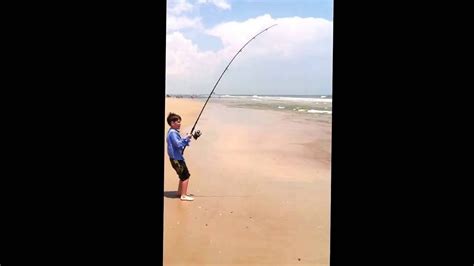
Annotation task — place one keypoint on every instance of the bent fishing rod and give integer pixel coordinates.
(198, 133)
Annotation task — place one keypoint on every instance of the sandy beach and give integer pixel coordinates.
(261, 181)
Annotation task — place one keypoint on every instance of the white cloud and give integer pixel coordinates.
(291, 37)
(179, 53)
(298, 49)
(222, 4)
(179, 6)
(183, 57)
(180, 22)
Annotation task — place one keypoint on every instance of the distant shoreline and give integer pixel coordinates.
(308, 106)
(327, 96)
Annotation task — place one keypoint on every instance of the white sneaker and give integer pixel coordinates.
(186, 197)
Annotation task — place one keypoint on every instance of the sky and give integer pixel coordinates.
(292, 58)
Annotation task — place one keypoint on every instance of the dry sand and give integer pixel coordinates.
(261, 180)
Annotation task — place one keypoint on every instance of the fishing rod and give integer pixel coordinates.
(198, 132)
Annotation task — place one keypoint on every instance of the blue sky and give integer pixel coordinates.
(295, 57)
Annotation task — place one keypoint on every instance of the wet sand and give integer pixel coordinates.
(261, 181)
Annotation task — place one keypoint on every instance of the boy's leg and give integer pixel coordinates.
(180, 187)
(184, 186)
(184, 190)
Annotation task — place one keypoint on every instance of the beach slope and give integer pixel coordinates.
(261, 181)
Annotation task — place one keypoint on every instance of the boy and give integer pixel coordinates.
(176, 145)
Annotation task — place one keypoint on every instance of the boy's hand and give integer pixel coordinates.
(188, 136)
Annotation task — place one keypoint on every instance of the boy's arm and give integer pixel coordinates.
(179, 143)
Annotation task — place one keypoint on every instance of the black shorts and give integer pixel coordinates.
(181, 169)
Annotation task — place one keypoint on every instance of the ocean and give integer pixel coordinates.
(319, 106)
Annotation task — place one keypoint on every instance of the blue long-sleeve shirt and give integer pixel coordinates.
(176, 144)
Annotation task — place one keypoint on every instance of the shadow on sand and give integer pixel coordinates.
(171, 194)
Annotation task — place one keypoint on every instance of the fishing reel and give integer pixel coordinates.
(197, 134)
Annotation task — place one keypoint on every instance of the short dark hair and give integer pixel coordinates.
(172, 117)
